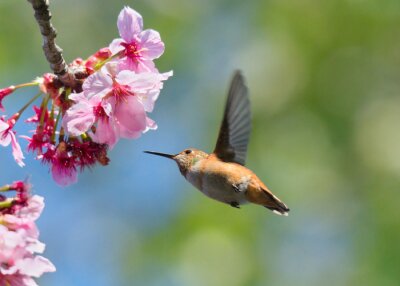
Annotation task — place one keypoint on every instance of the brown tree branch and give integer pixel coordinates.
(52, 52)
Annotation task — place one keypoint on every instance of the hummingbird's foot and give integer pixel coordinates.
(242, 185)
(236, 188)
(235, 205)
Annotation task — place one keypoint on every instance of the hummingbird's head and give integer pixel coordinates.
(185, 159)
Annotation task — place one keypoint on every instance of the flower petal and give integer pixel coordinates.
(127, 63)
(106, 132)
(150, 125)
(146, 66)
(5, 139)
(35, 266)
(3, 125)
(131, 118)
(151, 45)
(129, 23)
(16, 150)
(149, 99)
(78, 118)
(77, 97)
(107, 107)
(116, 46)
(62, 176)
(138, 82)
(166, 75)
(25, 215)
(98, 84)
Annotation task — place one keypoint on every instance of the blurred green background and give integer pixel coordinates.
(324, 78)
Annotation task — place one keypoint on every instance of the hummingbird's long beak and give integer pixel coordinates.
(160, 154)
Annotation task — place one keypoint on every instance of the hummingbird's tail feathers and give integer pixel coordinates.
(262, 196)
(276, 205)
(279, 211)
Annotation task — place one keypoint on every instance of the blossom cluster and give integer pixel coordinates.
(19, 244)
(75, 127)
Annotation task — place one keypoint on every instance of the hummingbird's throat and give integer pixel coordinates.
(194, 161)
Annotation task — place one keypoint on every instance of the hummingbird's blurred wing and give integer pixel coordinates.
(235, 129)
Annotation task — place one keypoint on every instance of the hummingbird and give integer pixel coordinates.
(222, 175)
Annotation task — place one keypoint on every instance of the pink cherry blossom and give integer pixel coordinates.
(139, 48)
(85, 112)
(72, 155)
(7, 136)
(63, 166)
(117, 102)
(24, 217)
(19, 244)
(64, 175)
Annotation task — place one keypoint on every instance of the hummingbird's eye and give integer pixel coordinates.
(188, 151)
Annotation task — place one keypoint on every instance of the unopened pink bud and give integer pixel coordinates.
(96, 58)
(77, 62)
(18, 186)
(4, 92)
(103, 53)
(23, 191)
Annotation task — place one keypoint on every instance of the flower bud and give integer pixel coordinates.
(4, 92)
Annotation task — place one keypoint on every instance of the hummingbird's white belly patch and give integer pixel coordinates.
(222, 191)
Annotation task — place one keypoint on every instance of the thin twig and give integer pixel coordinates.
(52, 52)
